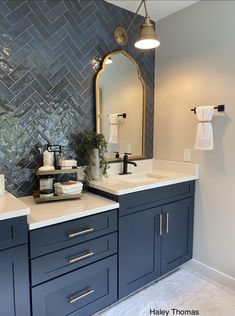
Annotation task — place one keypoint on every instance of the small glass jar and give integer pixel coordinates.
(46, 183)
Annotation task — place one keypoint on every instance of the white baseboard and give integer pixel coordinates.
(210, 273)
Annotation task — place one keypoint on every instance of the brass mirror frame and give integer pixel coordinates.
(97, 101)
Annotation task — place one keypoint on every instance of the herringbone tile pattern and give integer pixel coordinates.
(47, 82)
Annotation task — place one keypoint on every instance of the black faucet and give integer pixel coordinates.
(126, 161)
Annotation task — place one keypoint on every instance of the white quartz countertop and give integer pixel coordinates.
(11, 207)
(159, 174)
(51, 213)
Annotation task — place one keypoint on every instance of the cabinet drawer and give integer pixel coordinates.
(13, 232)
(137, 201)
(82, 292)
(60, 262)
(59, 236)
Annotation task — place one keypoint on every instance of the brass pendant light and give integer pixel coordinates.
(147, 38)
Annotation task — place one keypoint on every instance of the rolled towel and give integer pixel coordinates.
(204, 136)
(113, 128)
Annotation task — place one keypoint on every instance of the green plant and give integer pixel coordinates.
(89, 142)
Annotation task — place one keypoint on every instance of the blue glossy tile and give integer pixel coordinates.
(55, 12)
(19, 27)
(38, 25)
(58, 75)
(18, 13)
(21, 55)
(20, 41)
(38, 12)
(22, 96)
(73, 22)
(42, 103)
(43, 81)
(6, 79)
(74, 70)
(51, 95)
(59, 87)
(4, 9)
(24, 108)
(52, 3)
(72, 45)
(58, 23)
(5, 92)
(57, 63)
(43, 6)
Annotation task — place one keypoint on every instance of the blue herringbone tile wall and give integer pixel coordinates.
(47, 82)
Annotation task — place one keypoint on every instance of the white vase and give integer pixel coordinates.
(96, 171)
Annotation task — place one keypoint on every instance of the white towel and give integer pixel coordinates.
(204, 136)
(68, 186)
(113, 128)
(67, 194)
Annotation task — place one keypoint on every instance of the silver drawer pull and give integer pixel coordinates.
(167, 223)
(160, 221)
(73, 299)
(81, 232)
(76, 259)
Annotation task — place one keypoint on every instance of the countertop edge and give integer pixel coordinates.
(14, 214)
(143, 187)
(66, 218)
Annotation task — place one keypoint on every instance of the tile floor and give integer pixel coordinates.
(182, 290)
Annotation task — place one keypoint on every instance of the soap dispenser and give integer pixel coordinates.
(48, 158)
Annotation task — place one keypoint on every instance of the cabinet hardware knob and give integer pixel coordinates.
(76, 259)
(81, 232)
(160, 224)
(73, 299)
(167, 223)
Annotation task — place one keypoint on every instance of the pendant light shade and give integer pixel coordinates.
(147, 38)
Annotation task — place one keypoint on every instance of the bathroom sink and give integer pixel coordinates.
(141, 178)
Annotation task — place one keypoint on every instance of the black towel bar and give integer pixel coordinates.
(220, 108)
(123, 115)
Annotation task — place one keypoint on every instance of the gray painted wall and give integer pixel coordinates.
(195, 66)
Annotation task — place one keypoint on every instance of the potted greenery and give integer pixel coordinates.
(93, 147)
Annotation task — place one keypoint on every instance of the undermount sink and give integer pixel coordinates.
(140, 178)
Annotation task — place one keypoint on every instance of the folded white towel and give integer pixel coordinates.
(113, 129)
(204, 136)
(68, 191)
(69, 186)
(66, 194)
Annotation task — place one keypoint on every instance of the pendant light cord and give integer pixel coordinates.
(133, 19)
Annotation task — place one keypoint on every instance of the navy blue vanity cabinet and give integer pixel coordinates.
(14, 272)
(155, 233)
(177, 238)
(74, 266)
(139, 249)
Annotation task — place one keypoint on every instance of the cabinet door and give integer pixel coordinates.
(177, 234)
(14, 282)
(139, 249)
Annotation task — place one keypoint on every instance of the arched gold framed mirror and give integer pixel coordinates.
(120, 105)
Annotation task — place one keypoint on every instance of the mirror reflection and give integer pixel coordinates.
(120, 105)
